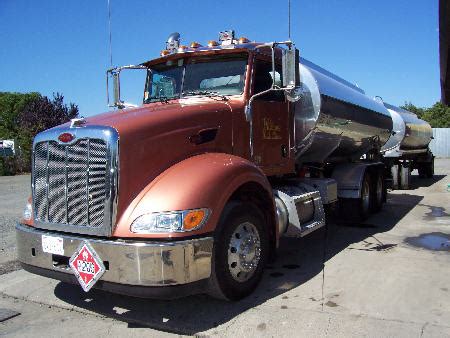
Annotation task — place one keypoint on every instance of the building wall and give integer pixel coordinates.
(440, 145)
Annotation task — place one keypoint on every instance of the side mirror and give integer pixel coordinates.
(116, 84)
(115, 75)
(291, 73)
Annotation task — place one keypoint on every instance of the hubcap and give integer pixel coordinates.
(244, 252)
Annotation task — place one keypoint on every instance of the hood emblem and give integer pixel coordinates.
(66, 137)
(76, 123)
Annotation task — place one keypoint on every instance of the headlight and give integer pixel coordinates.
(27, 212)
(176, 221)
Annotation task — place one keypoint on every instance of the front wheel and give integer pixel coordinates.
(241, 248)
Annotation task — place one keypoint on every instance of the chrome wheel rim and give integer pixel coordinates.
(244, 252)
(365, 195)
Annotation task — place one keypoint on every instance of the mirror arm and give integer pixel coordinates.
(115, 73)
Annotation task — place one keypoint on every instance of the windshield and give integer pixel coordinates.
(224, 75)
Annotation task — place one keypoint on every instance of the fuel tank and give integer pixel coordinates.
(334, 120)
(415, 134)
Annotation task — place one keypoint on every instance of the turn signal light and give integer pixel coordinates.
(193, 219)
(212, 43)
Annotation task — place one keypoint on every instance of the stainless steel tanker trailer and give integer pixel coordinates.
(408, 147)
(338, 136)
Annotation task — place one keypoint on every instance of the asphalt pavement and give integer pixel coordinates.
(387, 277)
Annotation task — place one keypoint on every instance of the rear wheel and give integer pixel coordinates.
(405, 176)
(426, 169)
(430, 169)
(422, 170)
(241, 249)
(356, 210)
(378, 192)
(395, 176)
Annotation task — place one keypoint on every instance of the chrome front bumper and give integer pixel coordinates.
(128, 262)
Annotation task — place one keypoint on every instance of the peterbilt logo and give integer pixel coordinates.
(66, 137)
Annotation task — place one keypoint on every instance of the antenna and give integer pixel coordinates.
(289, 19)
(110, 38)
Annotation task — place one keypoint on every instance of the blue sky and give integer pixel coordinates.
(388, 48)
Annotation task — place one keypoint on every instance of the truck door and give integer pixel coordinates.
(271, 123)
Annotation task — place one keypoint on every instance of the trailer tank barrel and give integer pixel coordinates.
(335, 120)
(418, 133)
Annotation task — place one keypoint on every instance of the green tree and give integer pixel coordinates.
(438, 116)
(412, 108)
(11, 104)
(22, 116)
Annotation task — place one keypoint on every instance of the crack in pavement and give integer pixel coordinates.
(423, 328)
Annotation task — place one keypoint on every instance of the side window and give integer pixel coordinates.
(263, 80)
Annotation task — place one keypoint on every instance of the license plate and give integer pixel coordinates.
(53, 245)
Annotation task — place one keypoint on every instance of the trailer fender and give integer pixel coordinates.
(202, 181)
(349, 178)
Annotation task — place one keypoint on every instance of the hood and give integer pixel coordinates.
(155, 136)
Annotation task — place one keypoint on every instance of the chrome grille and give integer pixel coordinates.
(70, 182)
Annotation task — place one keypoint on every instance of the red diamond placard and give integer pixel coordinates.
(87, 266)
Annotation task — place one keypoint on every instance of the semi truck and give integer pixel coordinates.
(236, 144)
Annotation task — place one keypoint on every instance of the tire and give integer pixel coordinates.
(241, 250)
(395, 169)
(378, 192)
(405, 177)
(355, 210)
(429, 172)
(423, 170)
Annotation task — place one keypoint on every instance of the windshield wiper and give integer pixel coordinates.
(161, 98)
(207, 93)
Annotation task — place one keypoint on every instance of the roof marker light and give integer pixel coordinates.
(182, 49)
(212, 43)
(243, 39)
(195, 45)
